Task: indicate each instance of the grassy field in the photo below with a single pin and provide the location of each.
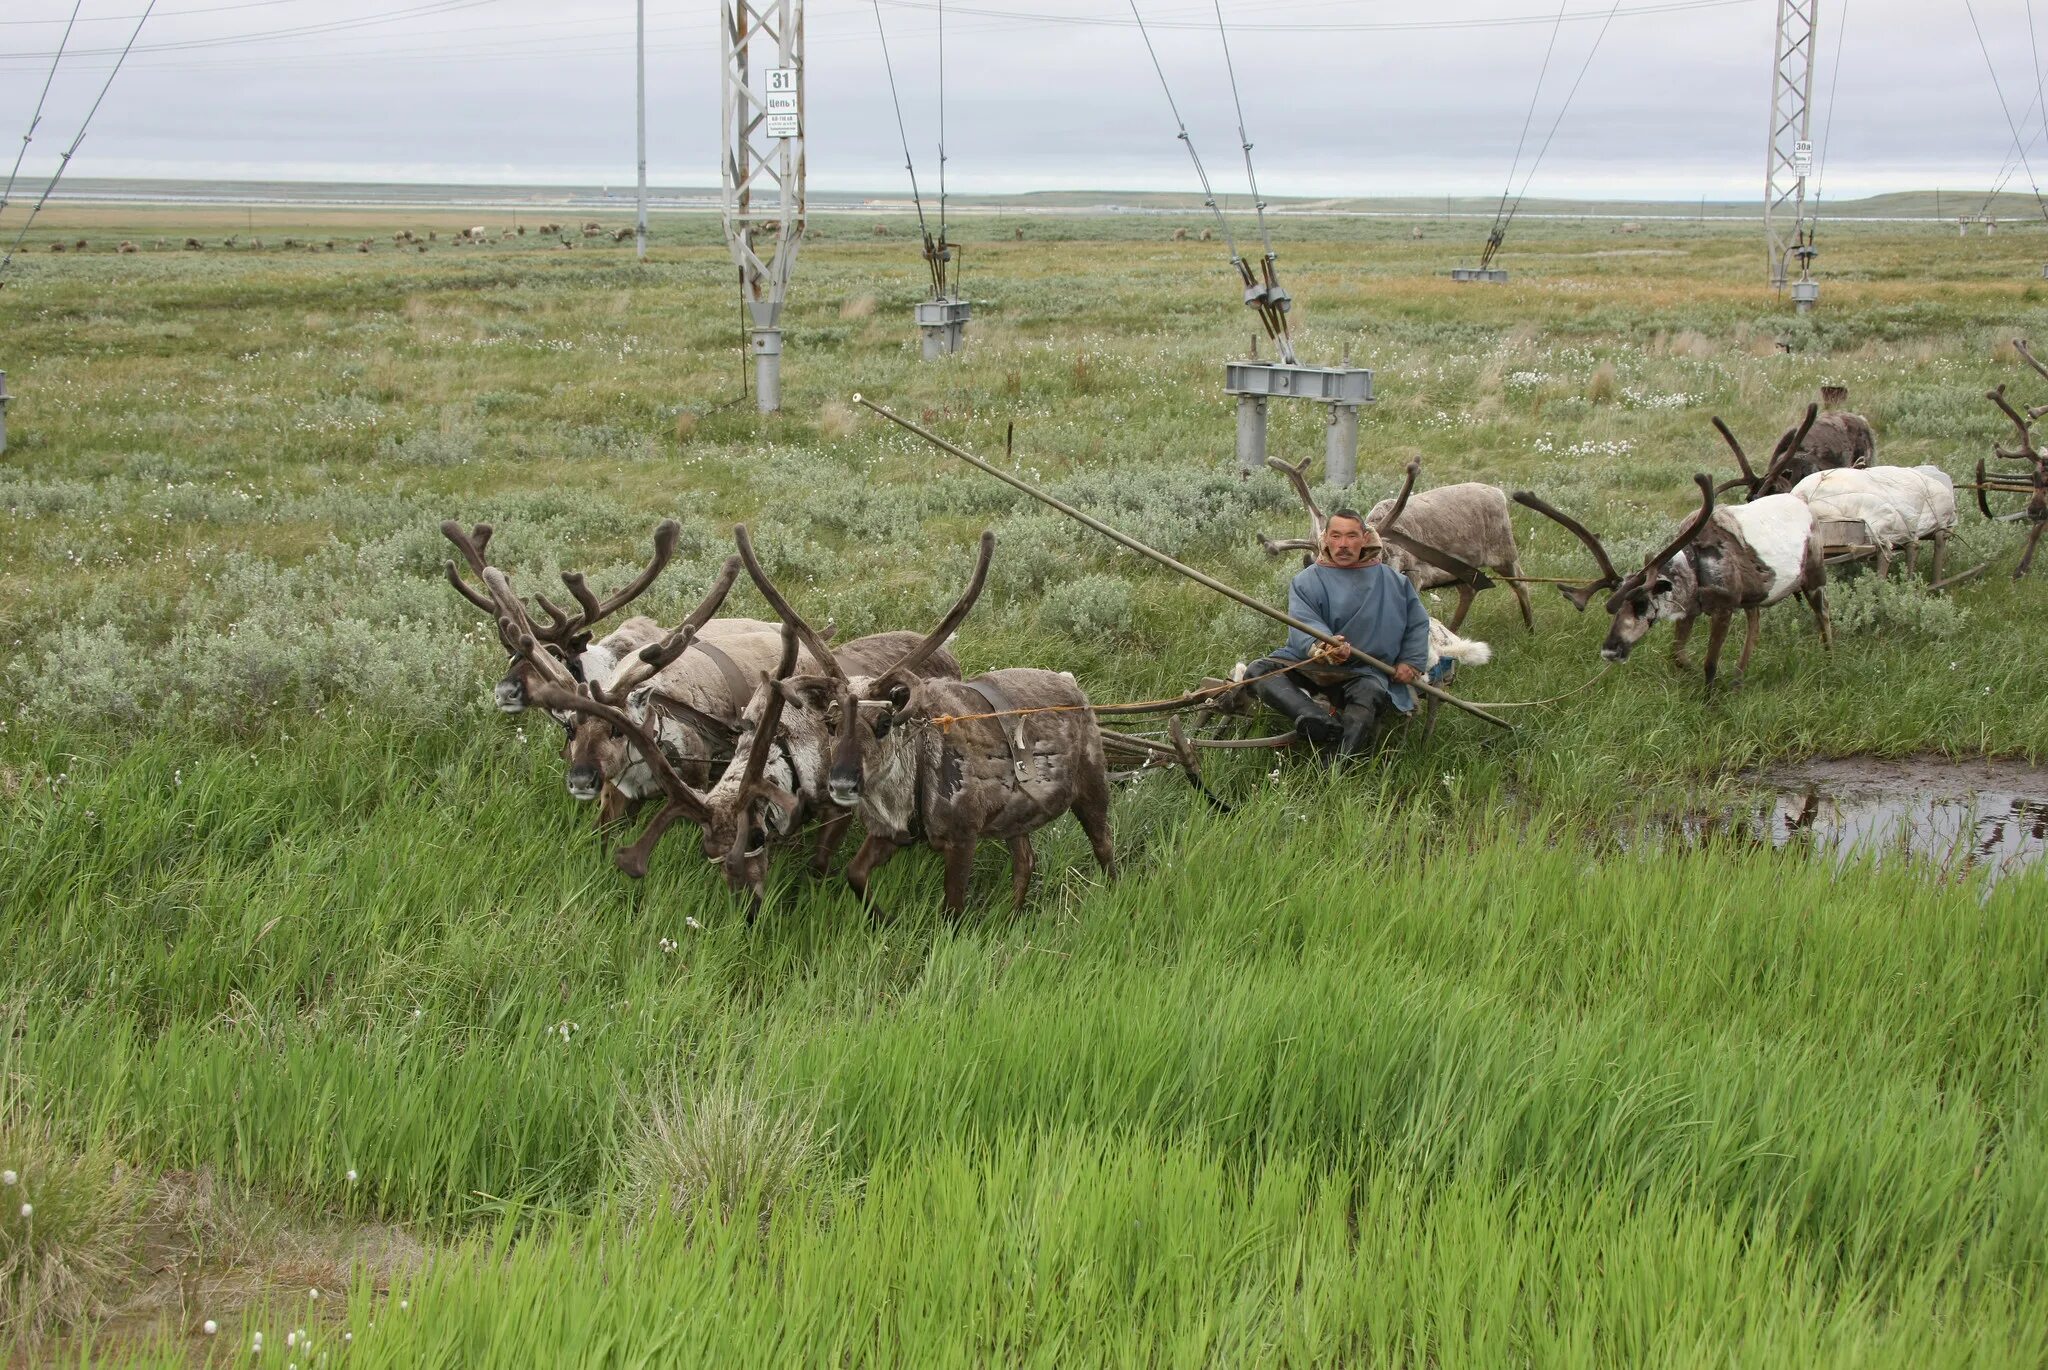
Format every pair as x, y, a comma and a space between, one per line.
315, 979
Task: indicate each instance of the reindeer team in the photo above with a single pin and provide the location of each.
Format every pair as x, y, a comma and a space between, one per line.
753, 731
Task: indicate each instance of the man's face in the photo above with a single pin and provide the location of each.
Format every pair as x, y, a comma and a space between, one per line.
1344, 543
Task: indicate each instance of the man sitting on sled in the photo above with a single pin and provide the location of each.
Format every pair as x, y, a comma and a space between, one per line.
1353, 595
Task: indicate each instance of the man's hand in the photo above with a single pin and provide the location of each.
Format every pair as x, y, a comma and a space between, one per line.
1404, 674
1340, 650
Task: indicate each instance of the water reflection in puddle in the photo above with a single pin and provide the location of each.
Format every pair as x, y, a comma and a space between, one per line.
1989, 815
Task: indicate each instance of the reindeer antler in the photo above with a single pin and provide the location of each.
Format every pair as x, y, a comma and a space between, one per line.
1581, 595
471, 545
657, 657
813, 642
936, 638
1692, 529
568, 627
1401, 500
1748, 477
1785, 452
753, 785
2027, 450
2019, 345
1297, 476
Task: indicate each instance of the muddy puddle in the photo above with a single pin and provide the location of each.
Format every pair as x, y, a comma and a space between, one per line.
1955, 815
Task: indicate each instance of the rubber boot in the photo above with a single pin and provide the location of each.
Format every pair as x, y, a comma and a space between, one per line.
1312, 722
1360, 724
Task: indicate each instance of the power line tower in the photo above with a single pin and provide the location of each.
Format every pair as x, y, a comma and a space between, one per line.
763, 172
1789, 152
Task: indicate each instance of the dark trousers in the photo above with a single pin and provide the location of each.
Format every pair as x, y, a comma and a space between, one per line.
1361, 698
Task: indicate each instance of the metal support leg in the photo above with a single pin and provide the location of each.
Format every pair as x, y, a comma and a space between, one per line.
1340, 446
1251, 433
767, 343
3, 411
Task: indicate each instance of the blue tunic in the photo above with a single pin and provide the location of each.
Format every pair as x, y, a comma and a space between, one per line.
1374, 608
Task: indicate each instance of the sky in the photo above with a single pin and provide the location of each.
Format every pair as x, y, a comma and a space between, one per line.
1341, 97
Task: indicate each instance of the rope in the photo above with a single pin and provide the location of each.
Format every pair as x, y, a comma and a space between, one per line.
1827, 127
1321, 654
1539, 703
938, 285
37, 118
1569, 95
2018, 141
65, 160
1499, 231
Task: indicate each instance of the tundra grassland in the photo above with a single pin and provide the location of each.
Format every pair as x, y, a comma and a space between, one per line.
314, 977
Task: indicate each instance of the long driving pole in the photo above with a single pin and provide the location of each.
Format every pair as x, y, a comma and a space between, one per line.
640, 105
1206, 581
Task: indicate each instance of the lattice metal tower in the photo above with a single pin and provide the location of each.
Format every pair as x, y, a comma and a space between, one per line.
764, 168
1789, 152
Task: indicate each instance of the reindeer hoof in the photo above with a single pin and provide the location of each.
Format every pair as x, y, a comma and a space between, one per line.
632, 863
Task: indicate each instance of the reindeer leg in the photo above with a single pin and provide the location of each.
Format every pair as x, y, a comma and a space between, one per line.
1465, 596
874, 854
1717, 633
959, 867
1817, 600
2027, 556
1513, 572
1756, 623
1091, 809
829, 834
1681, 633
1022, 858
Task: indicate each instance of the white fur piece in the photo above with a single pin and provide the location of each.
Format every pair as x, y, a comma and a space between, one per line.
1463, 650
1777, 528
1898, 504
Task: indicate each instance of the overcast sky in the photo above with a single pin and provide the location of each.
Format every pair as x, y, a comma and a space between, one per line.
1341, 96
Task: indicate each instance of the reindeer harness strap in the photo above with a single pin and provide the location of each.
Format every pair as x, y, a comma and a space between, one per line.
735, 679
1000, 704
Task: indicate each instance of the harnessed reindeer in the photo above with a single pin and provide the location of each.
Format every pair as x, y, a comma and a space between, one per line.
2034, 483
946, 762
1450, 536
1745, 557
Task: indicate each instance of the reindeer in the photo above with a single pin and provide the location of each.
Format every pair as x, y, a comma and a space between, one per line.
950, 762
1453, 535
1821, 441
1745, 557
2035, 482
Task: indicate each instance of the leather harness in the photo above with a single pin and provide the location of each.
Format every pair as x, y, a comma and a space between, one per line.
999, 703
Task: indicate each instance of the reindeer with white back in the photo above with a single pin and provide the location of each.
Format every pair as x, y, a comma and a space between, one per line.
1745, 557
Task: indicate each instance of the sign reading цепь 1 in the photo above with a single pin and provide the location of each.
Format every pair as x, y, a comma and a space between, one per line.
780, 109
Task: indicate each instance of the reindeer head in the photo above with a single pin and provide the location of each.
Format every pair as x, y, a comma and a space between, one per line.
551, 686
1661, 590
843, 721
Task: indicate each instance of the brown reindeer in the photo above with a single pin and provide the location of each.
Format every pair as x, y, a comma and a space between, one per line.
2034, 482
1450, 536
948, 762
1745, 557
1824, 439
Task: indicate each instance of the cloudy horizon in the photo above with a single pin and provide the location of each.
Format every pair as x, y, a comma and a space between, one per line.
1342, 97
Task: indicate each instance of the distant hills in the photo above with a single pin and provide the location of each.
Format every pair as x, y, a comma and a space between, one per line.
1911, 204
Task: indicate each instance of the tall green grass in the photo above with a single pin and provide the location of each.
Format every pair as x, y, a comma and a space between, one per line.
1452, 1062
